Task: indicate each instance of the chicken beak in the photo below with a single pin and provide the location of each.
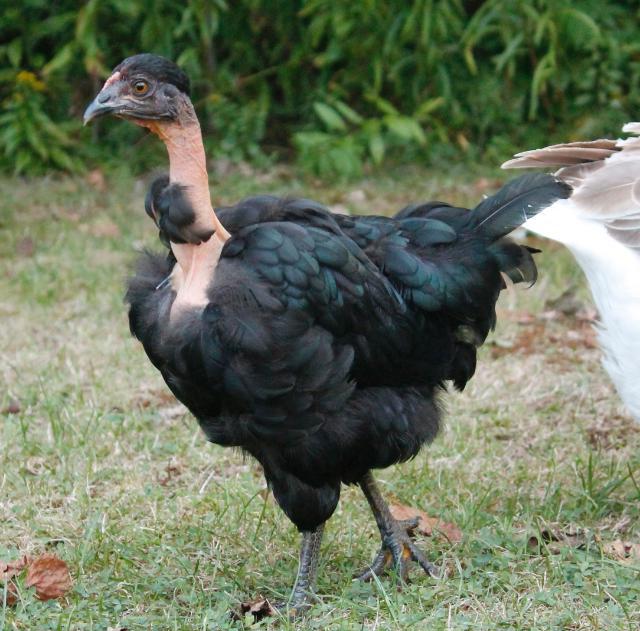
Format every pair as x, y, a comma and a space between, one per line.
107, 102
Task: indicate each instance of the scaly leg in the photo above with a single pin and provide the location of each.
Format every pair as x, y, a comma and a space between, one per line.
398, 550
302, 596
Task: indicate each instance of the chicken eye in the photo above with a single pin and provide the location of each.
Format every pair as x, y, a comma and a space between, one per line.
140, 87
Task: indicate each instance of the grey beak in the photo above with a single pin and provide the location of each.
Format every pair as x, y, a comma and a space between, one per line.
105, 103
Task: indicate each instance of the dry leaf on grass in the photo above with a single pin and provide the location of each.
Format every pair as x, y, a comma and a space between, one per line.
259, 608
172, 470
13, 407
50, 576
624, 551
427, 525
555, 539
8, 571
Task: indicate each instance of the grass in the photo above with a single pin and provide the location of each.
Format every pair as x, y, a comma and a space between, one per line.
162, 530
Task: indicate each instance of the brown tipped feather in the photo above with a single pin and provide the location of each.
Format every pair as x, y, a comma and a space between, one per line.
605, 175
563, 155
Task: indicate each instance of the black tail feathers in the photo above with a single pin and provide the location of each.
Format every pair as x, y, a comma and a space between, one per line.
517, 201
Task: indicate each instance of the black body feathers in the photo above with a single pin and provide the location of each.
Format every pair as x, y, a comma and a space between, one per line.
327, 338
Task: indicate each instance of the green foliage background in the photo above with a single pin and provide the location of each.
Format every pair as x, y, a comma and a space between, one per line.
338, 84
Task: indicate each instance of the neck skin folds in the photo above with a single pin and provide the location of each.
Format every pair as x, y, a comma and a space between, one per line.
188, 167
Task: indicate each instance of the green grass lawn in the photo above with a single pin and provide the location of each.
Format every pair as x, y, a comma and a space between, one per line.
162, 530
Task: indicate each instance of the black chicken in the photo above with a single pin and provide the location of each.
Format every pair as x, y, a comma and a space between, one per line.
317, 343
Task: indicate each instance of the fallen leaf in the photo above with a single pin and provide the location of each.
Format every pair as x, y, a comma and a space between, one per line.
8, 571
427, 525
554, 539
50, 576
624, 551
13, 407
171, 471
259, 608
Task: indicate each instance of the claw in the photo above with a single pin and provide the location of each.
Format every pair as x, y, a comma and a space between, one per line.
397, 550
409, 524
295, 609
378, 566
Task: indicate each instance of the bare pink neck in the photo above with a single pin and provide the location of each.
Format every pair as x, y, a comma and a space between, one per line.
188, 167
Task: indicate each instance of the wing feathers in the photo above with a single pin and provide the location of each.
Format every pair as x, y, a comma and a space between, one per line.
563, 155
605, 175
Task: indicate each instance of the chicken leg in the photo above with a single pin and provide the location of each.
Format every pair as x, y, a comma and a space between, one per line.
397, 550
302, 595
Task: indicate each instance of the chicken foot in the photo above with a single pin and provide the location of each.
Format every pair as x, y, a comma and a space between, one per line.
397, 550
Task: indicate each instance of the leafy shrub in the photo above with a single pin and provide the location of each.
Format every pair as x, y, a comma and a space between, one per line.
343, 83
29, 139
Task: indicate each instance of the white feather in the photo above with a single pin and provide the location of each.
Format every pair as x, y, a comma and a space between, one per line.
613, 273
600, 224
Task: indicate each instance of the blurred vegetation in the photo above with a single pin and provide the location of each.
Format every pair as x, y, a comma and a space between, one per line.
335, 83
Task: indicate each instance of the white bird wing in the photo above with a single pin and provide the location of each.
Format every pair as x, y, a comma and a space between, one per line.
605, 175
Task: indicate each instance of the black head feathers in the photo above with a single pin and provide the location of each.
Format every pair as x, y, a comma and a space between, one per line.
158, 67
